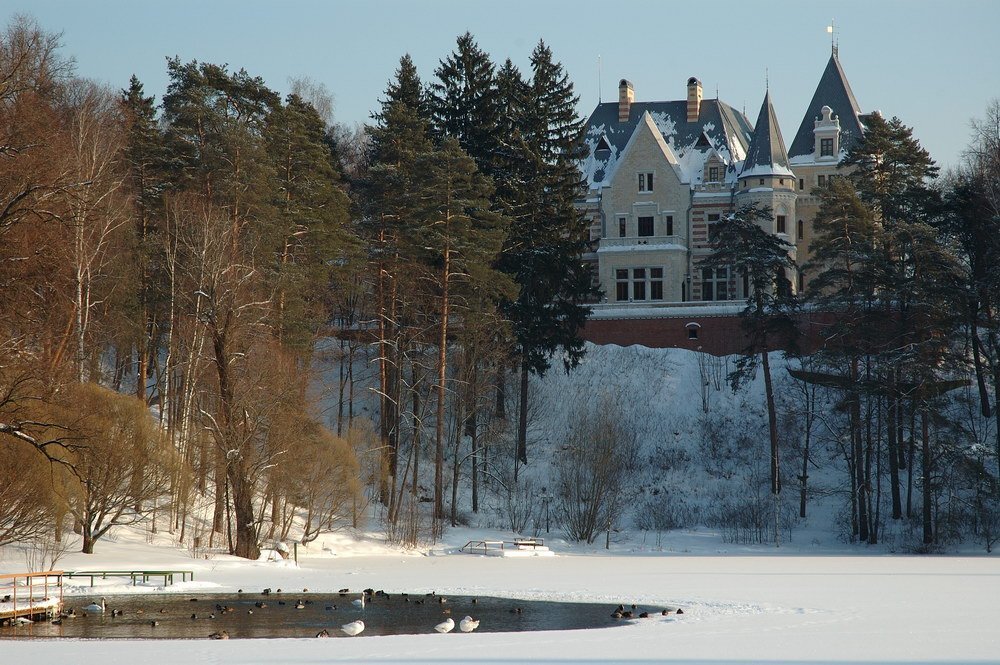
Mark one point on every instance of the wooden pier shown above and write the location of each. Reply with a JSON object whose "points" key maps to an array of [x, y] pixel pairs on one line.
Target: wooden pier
{"points": [[30, 596]]}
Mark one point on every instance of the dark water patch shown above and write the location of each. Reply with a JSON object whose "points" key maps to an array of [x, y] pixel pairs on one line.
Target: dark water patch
{"points": [[171, 616]]}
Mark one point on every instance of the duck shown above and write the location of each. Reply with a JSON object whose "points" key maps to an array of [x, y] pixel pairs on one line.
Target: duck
{"points": [[57, 622], [679, 611], [468, 624], [445, 626], [71, 614], [665, 612], [323, 633], [442, 599], [299, 605], [266, 592], [516, 610], [154, 623], [353, 628], [359, 602], [94, 607], [644, 615], [616, 615], [221, 635], [330, 608], [259, 605]]}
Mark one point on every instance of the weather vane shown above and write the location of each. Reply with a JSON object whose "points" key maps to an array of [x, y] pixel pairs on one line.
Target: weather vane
{"points": [[831, 30]]}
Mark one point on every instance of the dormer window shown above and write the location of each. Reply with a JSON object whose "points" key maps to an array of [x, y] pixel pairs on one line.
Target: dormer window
{"points": [[826, 147], [645, 182], [602, 144], [713, 174]]}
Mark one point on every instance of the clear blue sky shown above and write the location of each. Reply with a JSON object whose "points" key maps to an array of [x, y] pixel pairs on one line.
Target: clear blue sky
{"points": [[934, 64]]}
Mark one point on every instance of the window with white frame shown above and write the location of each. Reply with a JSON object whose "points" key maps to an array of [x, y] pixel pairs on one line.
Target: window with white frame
{"points": [[713, 174], [645, 182], [826, 147], [638, 284], [715, 283]]}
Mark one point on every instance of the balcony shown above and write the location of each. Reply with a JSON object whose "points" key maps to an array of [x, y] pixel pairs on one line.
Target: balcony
{"points": [[646, 243]]}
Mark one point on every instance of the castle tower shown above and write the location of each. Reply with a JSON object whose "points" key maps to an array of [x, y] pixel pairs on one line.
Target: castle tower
{"points": [[766, 178], [832, 123]]}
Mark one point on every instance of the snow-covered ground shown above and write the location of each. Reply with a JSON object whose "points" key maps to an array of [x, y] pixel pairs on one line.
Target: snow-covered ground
{"points": [[743, 605]]}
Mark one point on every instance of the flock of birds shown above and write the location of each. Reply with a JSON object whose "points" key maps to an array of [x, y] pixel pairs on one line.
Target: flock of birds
{"points": [[356, 627]]}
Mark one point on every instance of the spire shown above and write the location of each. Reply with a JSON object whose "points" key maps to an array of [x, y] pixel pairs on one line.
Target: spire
{"points": [[833, 91], [767, 155]]}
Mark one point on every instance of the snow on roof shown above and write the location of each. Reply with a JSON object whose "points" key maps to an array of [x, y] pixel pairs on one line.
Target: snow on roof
{"points": [[728, 132]]}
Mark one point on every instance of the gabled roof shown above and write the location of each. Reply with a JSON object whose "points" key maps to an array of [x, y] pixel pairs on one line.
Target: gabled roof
{"points": [[767, 154], [833, 91], [727, 130]]}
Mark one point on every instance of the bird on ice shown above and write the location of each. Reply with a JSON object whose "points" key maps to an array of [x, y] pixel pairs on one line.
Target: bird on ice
{"points": [[468, 624], [445, 626], [353, 628], [359, 602]]}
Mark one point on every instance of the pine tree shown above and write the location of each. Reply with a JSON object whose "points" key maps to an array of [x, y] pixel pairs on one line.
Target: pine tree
{"points": [[740, 243], [400, 134], [461, 238], [548, 234], [313, 212]]}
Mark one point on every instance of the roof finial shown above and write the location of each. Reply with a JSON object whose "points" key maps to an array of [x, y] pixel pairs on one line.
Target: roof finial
{"points": [[767, 80], [600, 97], [834, 42]]}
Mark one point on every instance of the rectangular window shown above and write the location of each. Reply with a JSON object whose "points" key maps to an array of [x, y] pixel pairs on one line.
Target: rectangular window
{"points": [[762, 181], [645, 227], [821, 180], [656, 283], [714, 283], [800, 229], [713, 174], [645, 182], [781, 224], [638, 283], [621, 285], [713, 217], [802, 183], [621, 227], [670, 225], [826, 147]]}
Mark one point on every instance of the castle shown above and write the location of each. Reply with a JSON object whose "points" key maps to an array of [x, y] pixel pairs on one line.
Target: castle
{"points": [[659, 174]]}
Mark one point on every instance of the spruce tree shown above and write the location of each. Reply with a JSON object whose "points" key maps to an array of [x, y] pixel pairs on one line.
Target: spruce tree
{"points": [[144, 159], [548, 234], [463, 102]]}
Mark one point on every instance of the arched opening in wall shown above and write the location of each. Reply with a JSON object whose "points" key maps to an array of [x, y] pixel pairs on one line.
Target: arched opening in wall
{"points": [[692, 329]]}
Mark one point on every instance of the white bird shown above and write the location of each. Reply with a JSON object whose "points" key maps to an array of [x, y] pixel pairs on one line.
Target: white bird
{"points": [[94, 607], [468, 624], [353, 628], [22, 621], [359, 602], [445, 626]]}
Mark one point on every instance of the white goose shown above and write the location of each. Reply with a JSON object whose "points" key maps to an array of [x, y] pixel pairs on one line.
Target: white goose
{"points": [[353, 628], [94, 607], [468, 624], [445, 626]]}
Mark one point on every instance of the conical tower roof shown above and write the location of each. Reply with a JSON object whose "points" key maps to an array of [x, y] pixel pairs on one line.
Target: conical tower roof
{"points": [[833, 91], [766, 155]]}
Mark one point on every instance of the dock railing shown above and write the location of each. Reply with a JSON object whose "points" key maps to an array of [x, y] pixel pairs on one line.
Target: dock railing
{"points": [[17, 604]]}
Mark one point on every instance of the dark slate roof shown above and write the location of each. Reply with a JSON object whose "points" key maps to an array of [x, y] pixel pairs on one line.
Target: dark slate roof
{"points": [[727, 130], [833, 91], [767, 152]]}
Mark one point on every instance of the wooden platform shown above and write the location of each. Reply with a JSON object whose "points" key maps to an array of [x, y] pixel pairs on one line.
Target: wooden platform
{"points": [[30, 596]]}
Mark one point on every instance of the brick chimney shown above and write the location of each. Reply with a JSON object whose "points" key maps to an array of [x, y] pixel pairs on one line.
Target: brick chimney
{"points": [[626, 95], [694, 99]]}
